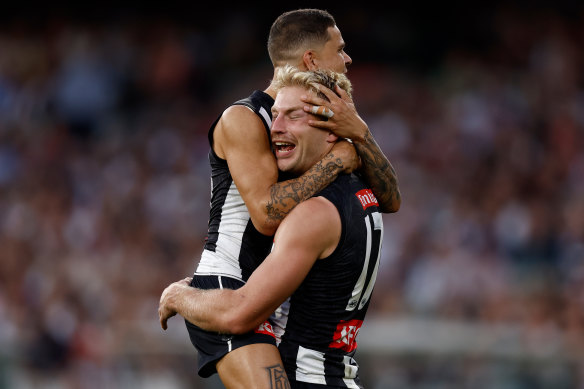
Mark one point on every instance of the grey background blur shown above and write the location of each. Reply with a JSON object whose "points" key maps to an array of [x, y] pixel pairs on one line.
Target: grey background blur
{"points": [[104, 186]]}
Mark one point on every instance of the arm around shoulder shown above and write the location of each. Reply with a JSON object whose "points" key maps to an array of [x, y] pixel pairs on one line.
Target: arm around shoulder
{"points": [[310, 232], [376, 169], [242, 139]]}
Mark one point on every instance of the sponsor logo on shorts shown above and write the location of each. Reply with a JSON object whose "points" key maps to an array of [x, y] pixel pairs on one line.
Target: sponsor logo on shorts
{"points": [[345, 335], [367, 198], [266, 329]]}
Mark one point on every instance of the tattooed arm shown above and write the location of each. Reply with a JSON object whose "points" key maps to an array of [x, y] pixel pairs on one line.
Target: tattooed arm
{"points": [[241, 139], [378, 173], [285, 195], [346, 123]]}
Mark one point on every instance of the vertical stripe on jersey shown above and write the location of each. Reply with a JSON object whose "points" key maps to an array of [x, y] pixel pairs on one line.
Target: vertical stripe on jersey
{"points": [[378, 231], [234, 219], [267, 117], [360, 284], [373, 235]]}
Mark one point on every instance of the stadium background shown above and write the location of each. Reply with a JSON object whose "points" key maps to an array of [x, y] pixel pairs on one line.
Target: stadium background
{"points": [[104, 186]]}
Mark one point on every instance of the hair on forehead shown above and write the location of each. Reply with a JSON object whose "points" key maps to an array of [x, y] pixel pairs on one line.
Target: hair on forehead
{"points": [[289, 75]]}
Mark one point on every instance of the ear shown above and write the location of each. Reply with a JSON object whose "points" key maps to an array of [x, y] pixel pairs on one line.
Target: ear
{"points": [[309, 60], [331, 138]]}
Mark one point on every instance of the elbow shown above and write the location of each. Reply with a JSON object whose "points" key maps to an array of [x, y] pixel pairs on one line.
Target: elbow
{"points": [[396, 206], [265, 224], [239, 316], [237, 324], [391, 207], [239, 319], [237, 329], [267, 229]]}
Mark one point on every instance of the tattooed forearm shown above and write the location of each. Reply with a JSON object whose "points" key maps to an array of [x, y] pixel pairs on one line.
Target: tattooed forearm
{"points": [[284, 196], [379, 174], [278, 378]]}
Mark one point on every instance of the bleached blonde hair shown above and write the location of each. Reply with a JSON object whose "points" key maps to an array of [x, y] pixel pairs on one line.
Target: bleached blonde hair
{"points": [[289, 75]]}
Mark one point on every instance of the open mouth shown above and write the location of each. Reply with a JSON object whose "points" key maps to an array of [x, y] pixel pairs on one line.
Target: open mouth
{"points": [[283, 148]]}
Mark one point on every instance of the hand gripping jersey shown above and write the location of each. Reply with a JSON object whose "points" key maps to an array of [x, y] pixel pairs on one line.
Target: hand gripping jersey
{"points": [[233, 246], [318, 325]]}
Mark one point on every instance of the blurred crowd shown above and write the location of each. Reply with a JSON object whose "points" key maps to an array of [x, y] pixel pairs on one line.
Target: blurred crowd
{"points": [[104, 189]]}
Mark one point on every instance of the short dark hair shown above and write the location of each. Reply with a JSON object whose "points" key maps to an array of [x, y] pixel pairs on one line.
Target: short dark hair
{"points": [[298, 30]]}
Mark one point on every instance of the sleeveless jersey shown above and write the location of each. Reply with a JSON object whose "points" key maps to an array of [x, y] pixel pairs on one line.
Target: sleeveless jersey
{"points": [[233, 246], [318, 325]]}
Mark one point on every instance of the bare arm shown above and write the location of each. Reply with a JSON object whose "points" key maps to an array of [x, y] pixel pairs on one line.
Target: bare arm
{"points": [[346, 123], [378, 173], [241, 139], [241, 310]]}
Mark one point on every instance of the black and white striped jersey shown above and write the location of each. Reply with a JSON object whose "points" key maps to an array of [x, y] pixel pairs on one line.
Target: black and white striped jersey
{"points": [[233, 246], [318, 325]]}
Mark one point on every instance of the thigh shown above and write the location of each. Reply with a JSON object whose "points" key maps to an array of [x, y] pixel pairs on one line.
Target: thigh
{"points": [[253, 366]]}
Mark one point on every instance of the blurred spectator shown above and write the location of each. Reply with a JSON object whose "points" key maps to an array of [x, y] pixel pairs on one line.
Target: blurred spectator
{"points": [[104, 190]]}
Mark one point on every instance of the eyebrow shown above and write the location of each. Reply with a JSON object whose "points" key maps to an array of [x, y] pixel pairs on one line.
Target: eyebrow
{"points": [[290, 109]]}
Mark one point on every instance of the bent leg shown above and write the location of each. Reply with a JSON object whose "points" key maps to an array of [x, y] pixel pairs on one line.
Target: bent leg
{"points": [[253, 366]]}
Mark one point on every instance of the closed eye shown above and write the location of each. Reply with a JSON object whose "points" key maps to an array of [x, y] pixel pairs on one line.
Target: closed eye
{"points": [[296, 114]]}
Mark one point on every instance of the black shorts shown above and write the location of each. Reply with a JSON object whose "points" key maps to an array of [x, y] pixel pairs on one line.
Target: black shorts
{"points": [[212, 346]]}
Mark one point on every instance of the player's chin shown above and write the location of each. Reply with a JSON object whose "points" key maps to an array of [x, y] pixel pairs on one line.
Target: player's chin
{"points": [[287, 168]]}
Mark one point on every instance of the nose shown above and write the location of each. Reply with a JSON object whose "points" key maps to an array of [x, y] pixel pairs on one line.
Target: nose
{"points": [[277, 125], [348, 59]]}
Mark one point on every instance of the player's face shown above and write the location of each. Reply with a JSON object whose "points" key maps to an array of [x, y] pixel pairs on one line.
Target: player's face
{"points": [[297, 145], [332, 55]]}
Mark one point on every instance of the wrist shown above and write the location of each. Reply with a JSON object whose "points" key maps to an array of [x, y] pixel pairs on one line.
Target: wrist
{"points": [[174, 298], [362, 136]]}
